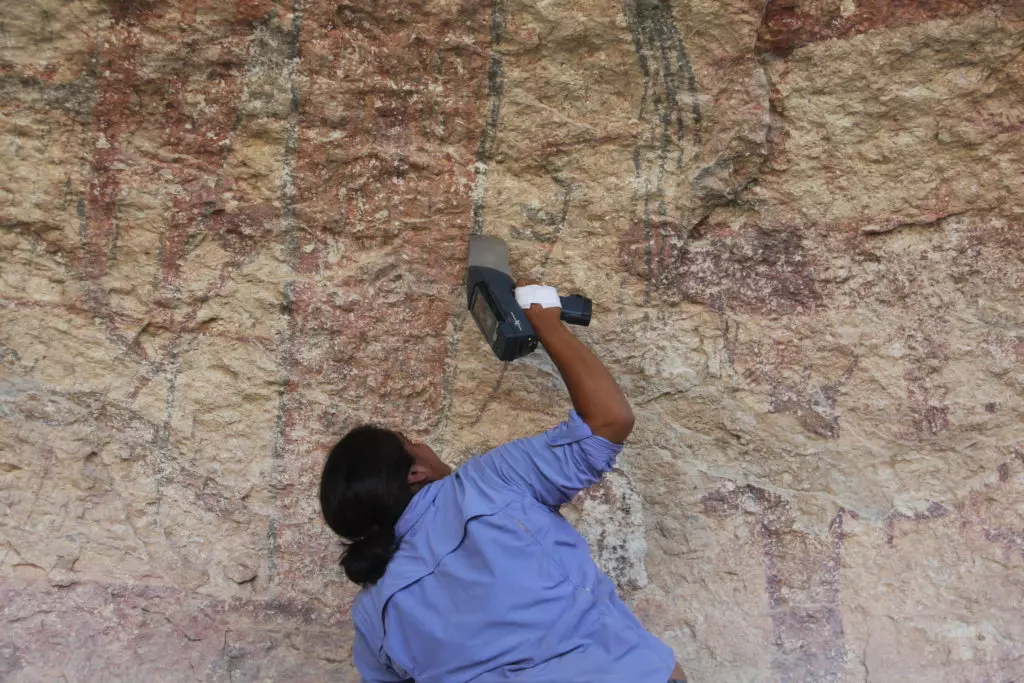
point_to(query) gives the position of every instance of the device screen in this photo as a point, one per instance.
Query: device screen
(484, 315)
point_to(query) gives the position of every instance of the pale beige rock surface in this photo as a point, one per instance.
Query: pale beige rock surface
(229, 231)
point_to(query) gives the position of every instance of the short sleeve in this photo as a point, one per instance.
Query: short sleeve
(553, 466)
(371, 668)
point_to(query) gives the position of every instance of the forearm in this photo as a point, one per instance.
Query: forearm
(595, 394)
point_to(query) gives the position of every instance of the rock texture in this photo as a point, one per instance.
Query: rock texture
(230, 230)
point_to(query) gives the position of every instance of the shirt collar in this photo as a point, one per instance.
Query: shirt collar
(416, 508)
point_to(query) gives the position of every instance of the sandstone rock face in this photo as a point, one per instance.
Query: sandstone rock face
(231, 230)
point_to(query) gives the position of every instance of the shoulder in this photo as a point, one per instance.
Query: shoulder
(536, 450)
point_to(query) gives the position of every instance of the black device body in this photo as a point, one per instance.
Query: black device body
(490, 294)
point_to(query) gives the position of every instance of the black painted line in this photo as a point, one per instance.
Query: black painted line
(495, 91)
(666, 70)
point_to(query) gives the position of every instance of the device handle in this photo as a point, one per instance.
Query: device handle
(577, 309)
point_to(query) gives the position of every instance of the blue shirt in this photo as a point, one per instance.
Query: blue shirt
(491, 583)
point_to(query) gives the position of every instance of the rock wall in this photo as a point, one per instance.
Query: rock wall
(231, 230)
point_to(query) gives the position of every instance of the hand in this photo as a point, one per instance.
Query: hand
(539, 316)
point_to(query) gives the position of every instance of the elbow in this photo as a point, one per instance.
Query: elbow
(624, 415)
(618, 427)
(626, 422)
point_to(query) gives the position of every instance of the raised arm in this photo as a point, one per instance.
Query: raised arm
(595, 394)
(554, 466)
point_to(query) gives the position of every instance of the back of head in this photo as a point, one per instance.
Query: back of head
(364, 489)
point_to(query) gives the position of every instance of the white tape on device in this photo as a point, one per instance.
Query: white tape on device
(544, 295)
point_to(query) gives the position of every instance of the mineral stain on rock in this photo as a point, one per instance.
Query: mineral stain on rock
(748, 270)
(790, 24)
(802, 575)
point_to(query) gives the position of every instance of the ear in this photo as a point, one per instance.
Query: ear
(418, 474)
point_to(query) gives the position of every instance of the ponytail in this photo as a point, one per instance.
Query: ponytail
(365, 560)
(364, 489)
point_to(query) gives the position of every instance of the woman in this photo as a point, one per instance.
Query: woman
(474, 575)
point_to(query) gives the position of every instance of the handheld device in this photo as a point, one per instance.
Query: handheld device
(490, 294)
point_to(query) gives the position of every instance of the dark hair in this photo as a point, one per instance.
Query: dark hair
(364, 489)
